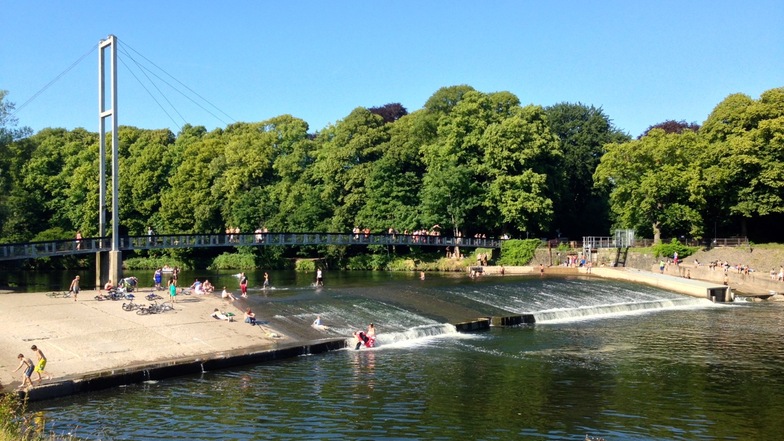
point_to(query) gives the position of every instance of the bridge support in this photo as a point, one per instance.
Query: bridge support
(115, 266)
(112, 260)
(108, 266)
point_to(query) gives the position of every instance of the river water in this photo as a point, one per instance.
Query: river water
(605, 359)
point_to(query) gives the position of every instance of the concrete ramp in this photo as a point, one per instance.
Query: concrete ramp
(691, 287)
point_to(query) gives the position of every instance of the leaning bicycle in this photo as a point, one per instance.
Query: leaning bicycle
(58, 294)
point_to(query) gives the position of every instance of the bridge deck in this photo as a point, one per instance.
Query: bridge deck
(35, 250)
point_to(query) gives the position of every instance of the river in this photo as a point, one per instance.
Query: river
(606, 359)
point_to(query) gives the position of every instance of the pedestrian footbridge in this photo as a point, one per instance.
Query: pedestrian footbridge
(34, 250)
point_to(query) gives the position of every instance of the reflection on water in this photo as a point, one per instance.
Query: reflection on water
(699, 371)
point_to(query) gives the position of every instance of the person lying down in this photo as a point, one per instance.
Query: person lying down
(220, 315)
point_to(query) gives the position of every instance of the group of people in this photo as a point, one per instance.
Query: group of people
(250, 316)
(260, 234)
(157, 276)
(367, 338)
(205, 287)
(778, 276)
(233, 234)
(29, 368)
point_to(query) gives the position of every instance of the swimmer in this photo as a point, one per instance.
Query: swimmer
(317, 322)
(361, 338)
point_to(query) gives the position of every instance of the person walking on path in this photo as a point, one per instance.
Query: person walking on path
(41, 364)
(27, 364)
(74, 288)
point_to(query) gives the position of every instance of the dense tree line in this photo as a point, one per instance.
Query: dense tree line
(468, 161)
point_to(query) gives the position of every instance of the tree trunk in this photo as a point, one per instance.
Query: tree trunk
(656, 233)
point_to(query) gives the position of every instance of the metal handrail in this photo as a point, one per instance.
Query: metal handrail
(33, 250)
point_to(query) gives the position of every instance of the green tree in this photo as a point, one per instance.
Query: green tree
(13, 152)
(580, 208)
(744, 162)
(656, 185)
(395, 181)
(191, 203)
(345, 155)
(144, 172)
(520, 165)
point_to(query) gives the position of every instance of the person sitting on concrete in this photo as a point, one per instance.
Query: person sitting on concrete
(250, 317)
(227, 295)
(197, 287)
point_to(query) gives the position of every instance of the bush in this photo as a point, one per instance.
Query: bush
(401, 264)
(308, 265)
(517, 252)
(669, 249)
(373, 262)
(233, 261)
(152, 263)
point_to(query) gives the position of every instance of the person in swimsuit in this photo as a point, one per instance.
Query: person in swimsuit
(41, 365)
(74, 288)
(27, 364)
(173, 291)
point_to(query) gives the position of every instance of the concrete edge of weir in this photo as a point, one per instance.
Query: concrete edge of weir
(164, 369)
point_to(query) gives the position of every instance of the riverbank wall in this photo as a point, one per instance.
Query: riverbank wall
(175, 368)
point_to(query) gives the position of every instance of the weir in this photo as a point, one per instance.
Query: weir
(406, 312)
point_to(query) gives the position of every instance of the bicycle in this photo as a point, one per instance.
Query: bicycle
(57, 294)
(154, 308)
(121, 294)
(152, 296)
(130, 306)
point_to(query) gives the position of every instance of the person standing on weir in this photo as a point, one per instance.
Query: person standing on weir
(74, 288)
(244, 284)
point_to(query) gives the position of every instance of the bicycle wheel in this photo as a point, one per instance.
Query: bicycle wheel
(143, 310)
(128, 307)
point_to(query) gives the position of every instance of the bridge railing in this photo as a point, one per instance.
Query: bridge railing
(34, 250)
(295, 239)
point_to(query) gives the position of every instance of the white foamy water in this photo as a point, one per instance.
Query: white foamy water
(562, 315)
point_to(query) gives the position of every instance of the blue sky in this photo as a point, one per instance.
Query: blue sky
(642, 62)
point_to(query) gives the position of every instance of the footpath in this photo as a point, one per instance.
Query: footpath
(89, 339)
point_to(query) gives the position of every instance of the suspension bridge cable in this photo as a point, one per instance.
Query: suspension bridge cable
(150, 93)
(185, 86)
(184, 94)
(154, 85)
(49, 84)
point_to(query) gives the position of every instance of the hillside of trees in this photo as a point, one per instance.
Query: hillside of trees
(469, 161)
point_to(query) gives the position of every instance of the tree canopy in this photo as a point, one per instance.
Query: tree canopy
(469, 161)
